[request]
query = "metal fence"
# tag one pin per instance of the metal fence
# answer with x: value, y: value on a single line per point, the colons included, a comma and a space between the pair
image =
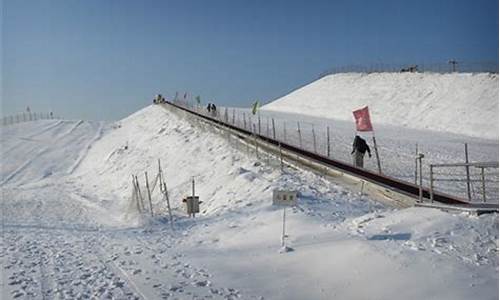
x: 330, y: 140
x: 451, y: 66
x: 26, y: 117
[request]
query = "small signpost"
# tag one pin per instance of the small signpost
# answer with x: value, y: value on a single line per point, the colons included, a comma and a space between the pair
x: 284, y: 198
x: 192, y: 203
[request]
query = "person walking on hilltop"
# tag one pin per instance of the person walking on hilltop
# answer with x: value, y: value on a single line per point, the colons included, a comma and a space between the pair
x: 359, y: 148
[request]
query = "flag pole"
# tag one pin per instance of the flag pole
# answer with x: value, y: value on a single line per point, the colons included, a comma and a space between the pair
x: 376, y: 152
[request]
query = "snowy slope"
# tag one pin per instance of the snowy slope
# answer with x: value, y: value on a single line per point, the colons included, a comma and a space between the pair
x: 74, y: 233
x: 460, y: 103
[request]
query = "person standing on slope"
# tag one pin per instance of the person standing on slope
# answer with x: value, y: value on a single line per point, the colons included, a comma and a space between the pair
x: 359, y: 147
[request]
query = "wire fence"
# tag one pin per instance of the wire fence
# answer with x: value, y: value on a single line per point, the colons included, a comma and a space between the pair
x: 27, y: 117
x: 334, y: 140
x: 451, y: 66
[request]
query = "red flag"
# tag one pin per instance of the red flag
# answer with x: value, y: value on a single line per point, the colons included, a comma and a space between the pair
x: 362, y: 117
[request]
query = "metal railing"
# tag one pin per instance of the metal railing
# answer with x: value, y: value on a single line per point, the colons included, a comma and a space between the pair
x: 488, y: 188
x: 26, y: 117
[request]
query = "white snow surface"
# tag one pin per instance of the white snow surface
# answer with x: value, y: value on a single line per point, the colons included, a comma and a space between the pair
x: 460, y: 103
x: 70, y: 229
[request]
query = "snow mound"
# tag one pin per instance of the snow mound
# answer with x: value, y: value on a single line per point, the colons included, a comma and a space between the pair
x: 460, y: 103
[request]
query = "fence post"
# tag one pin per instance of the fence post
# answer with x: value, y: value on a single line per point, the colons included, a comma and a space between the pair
x: 149, y: 193
x: 139, y: 191
x: 233, y: 115
x: 300, y: 135
x: 484, y: 185
x: 328, y: 141
x: 314, y: 140
x: 420, y: 192
x: 244, y: 121
x: 255, y: 141
x: 258, y: 116
x: 431, y: 184
x: 274, y: 129
x: 467, y: 172
x: 281, y: 157
x: 284, y: 131
x: 416, y: 165
x: 134, y: 194
x: 267, y: 125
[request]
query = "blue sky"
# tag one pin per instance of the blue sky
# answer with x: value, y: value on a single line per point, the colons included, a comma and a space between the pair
x: 104, y: 59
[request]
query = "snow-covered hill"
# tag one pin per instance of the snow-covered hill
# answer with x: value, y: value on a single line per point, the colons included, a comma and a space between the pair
x: 69, y: 229
x: 460, y: 103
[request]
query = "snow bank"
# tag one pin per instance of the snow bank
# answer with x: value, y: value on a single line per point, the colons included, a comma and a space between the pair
x: 460, y: 103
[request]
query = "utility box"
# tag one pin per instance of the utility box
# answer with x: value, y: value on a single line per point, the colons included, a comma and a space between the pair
x: 284, y: 198
x: 192, y: 204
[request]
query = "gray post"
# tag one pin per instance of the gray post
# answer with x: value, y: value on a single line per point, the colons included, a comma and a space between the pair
x: 416, y: 167
x: 467, y: 172
x: 134, y: 194
x: 284, y: 131
x: 267, y: 125
x: 420, y: 191
x: 484, y: 185
x: 328, y: 141
x: 376, y: 154
x: 255, y: 141
x: 300, y: 135
x: 149, y: 193
x: 244, y: 121
x: 431, y: 187
x: 274, y: 129
x: 281, y: 157
x: 258, y: 116
x: 314, y: 140
x: 168, y: 205
x: 140, y: 193
x: 194, y: 215
x: 283, y: 232
x: 233, y: 115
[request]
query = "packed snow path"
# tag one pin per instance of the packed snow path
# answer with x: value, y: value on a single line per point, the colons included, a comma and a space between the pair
x: 69, y: 229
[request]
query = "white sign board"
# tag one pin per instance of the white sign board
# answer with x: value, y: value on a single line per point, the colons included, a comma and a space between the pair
x: 284, y: 198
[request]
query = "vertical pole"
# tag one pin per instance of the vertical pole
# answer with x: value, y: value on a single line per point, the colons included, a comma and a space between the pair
x: 281, y: 157
x: 274, y: 130
x: 226, y: 117
x: 284, y: 131
x: 258, y: 116
x: 328, y: 141
x: 267, y: 122
x: 139, y: 191
x: 300, y: 135
x: 255, y: 141
x: 376, y: 153
x: 193, y: 198
x: 314, y: 140
x: 416, y: 167
x: 283, y: 231
x: 168, y: 205
x: 149, y: 193
x: 431, y: 188
x: 233, y: 115
x: 134, y: 194
x: 484, y: 185
x: 244, y: 121
x: 467, y: 172
x: 420, y: 192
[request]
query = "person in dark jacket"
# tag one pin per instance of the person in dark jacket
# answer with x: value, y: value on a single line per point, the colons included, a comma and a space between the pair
x: 359, y: 148
x: 209, y: 107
